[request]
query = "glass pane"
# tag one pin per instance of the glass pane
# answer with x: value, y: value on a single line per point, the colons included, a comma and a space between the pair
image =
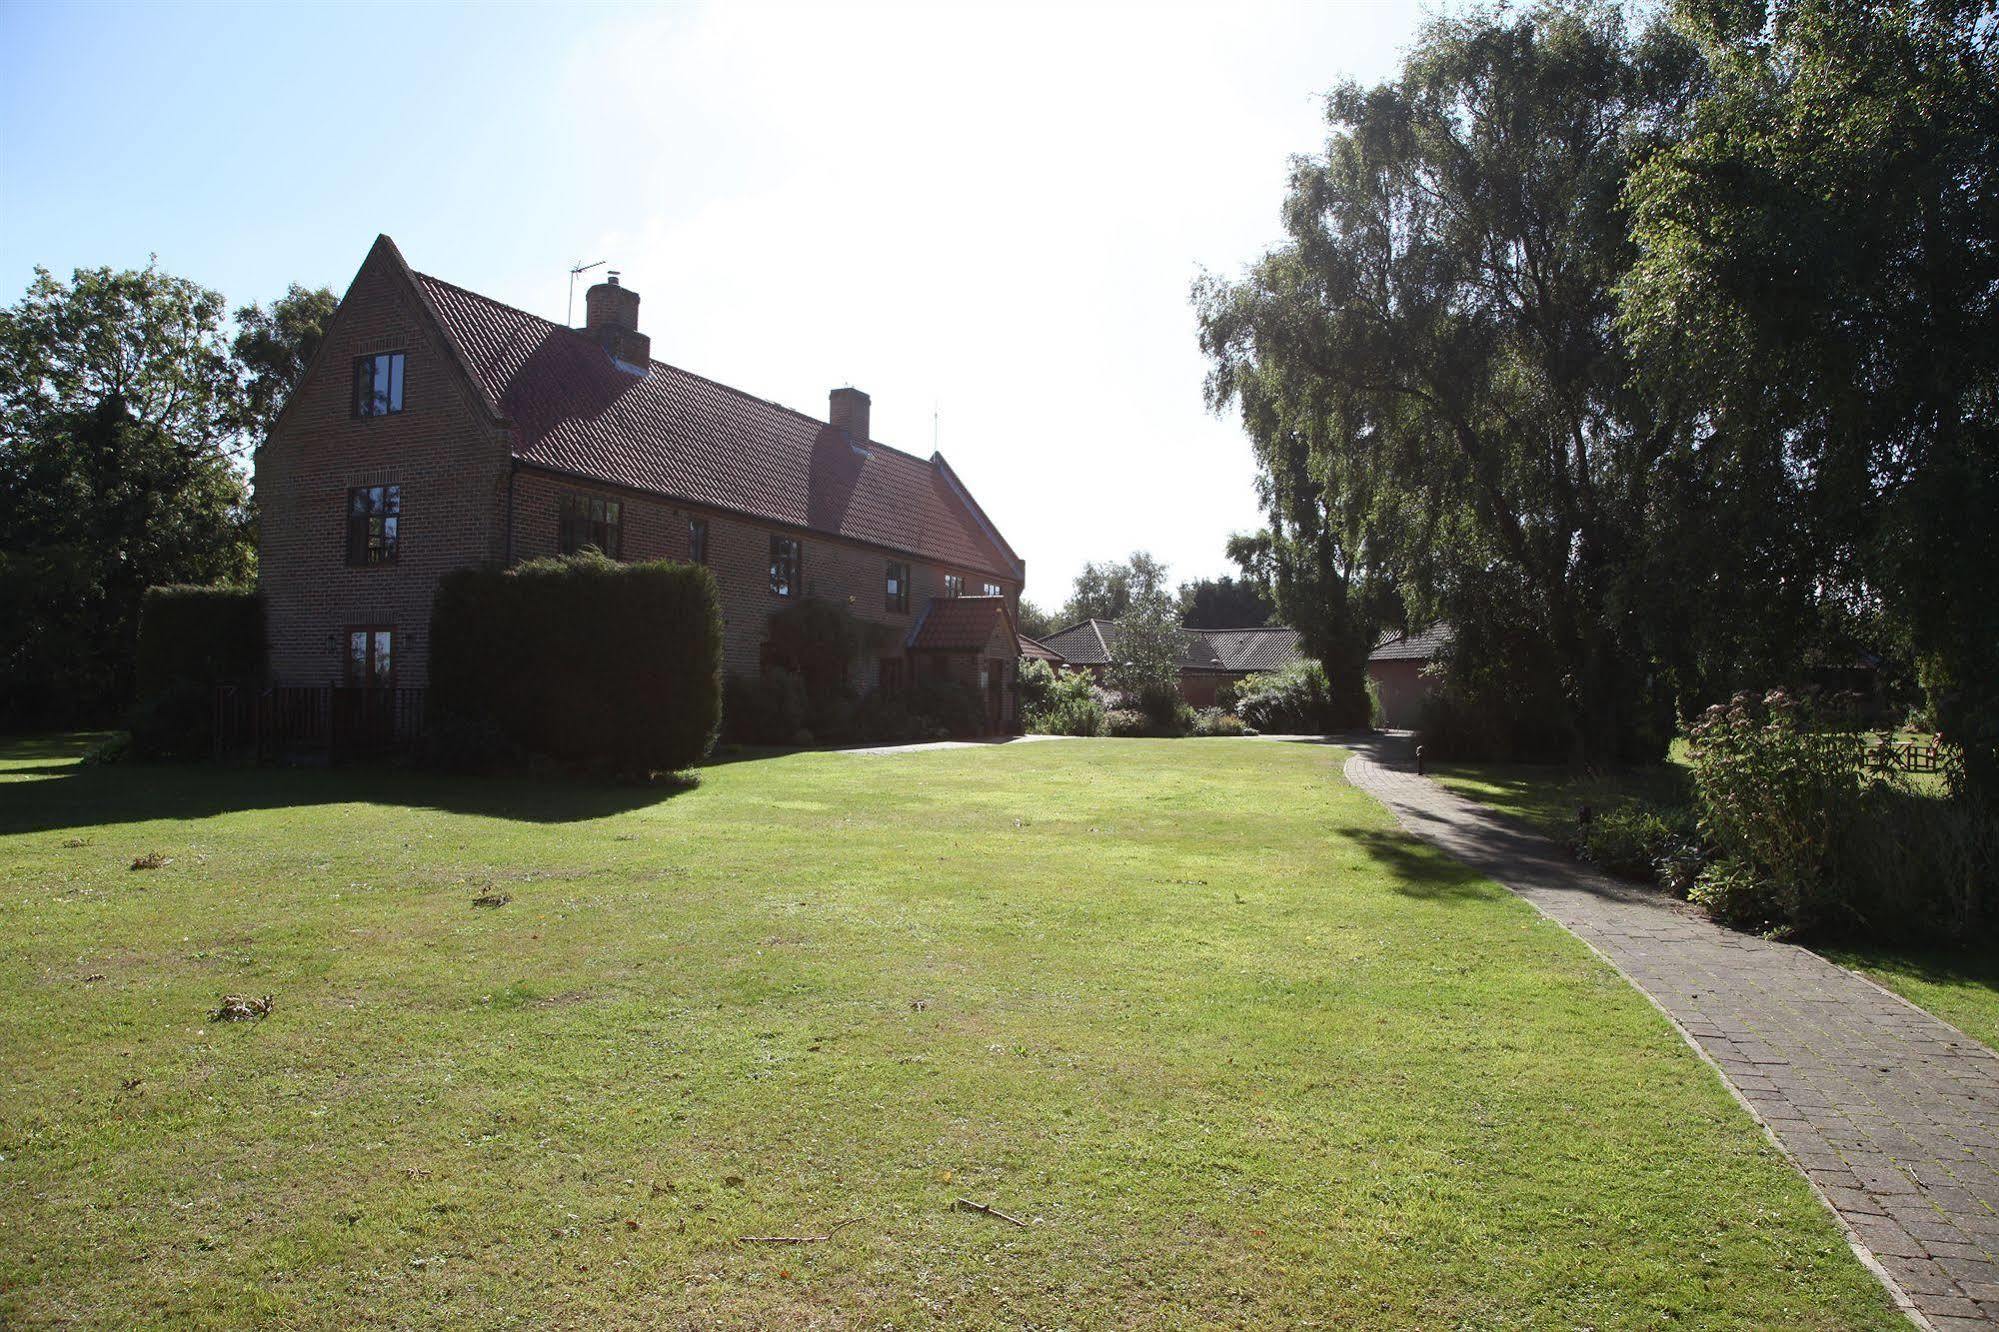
x: 382, y: 656
x: 389, y: 538
x: 392, y: 499
x: 357, y: 656
x: 396, y: 382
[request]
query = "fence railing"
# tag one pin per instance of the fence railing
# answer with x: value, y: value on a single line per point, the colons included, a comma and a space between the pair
x: 339, y: 721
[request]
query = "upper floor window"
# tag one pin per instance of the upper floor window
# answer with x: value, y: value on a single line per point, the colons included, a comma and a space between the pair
x: 372, y: 516
x: 697, y: 540
x: 591, y: 520
x: 992, y: 590
x: 378, y: 384
x: 954, y: 585
x: 895, y: 588
x: 784, y: 566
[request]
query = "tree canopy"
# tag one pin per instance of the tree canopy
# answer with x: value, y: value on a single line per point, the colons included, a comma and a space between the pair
x: 1224, y: 603
x: 273, y: 346
x: 1107, y: 591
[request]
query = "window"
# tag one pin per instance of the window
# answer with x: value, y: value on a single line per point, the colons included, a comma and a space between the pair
x: 371, y: 661
x: 590, y: 520
x: 697, y: 540
x: 378, y: 384
x: 890, y: 675
x: 992, y: 590
x: 373, y: 513
x: 895, y: 588
x: 954, y: 585
x: 784, y: 562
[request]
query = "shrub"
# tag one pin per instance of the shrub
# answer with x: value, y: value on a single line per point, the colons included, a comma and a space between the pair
x: 1214, y: 721
x: 1064, y: 703
x: 1632, y: 838
x: 1776, y: 782
x: 191, y: 639
x: 1126, y: 723
x: 583, y: 659
x: 767, y: 709
x: 466, y: 745
x: 1377, y: 711
x: 1295, y: 700
x: 1919, y: 868
x: 947, y: 709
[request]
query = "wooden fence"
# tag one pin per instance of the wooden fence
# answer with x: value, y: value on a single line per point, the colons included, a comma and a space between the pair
x: 337, y: 721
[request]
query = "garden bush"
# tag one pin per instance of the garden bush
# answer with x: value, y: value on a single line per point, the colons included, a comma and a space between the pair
x: 1632, y: 839
x: 766, y: 709
x: 1059, y: 703
x: 1215, y: 722
x: 191, y: 639
x: 1127, y: 723
x: 1296, y: 700
x: 583, y: 659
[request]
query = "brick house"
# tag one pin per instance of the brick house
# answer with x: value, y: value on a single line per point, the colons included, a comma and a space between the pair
x: 437, y: 429
x: 1209, y: 658
x: 1400, y: 669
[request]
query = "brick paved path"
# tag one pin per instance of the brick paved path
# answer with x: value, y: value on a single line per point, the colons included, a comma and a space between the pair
x: 1892, y: 1114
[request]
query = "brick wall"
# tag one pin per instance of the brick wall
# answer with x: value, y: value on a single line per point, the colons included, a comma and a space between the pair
x: 450, y: 462
x: 833, y: 569
x: 1403, y: 688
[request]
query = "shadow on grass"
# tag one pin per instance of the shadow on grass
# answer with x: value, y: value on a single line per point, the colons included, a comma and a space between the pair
x: 1418, y: 869
x: 74, y: 795
x: 1960, y: 967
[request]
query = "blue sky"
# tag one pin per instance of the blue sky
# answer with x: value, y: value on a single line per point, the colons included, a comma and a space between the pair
x: 991, y: 214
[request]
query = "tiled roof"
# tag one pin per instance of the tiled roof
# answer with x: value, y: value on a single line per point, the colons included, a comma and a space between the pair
x: 1270, y: 648
x: 1423, y: 646
x: 1232, y: 651
x: 676, y: 434
x: 1030, y: 647
x: 959, y: 624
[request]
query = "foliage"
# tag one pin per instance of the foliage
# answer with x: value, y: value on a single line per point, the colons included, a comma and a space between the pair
x: 1059, y: 702
x: 1633, y: 840
x: 1920, y: 869
x: 946, y: 709
x: 608, y: 664
x: 1147, y: 648
x: 1377, y: 711
x: 1442, y: 405
x: 117, y: 411
x: 1215, y: 722
x: 1034, y: 621
x: 191, y: 639
x: 468, y: 745
x: 1224, y: 603
x: 1297, y: 700
x: 1127, y: 723
x: 1109, y: 590
x: 1819, y: 257
x: 1777, y: 780
x: 273, y: 346
x: 765, y: 709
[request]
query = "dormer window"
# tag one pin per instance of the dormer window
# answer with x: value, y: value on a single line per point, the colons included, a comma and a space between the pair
x: 378, y: 384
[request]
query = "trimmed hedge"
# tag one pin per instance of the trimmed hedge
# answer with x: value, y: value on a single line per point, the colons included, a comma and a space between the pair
x: 583, y: 659
x: 191, y: 639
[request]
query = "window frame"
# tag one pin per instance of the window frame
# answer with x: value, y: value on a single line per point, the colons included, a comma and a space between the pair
x: 895, y: 587
x: 787, y: 566
x: 362, y: 537
x: 374, y: 633
x: 954, y: 585
x: 697, y: 540
x: 992, y: 590
x: 602, y: 520
x: 398, y: 384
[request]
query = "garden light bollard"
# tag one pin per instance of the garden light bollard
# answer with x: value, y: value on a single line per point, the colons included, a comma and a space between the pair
x: 1419, y: 760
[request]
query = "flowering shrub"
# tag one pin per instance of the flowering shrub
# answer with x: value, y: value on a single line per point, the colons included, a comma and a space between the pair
x: 1295, y: 700
x: 1213, y: 721
x: 1059, y: 702
x: 1779, y: 785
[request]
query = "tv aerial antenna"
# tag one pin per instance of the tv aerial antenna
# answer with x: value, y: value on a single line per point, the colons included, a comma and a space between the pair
x: 574, y: 272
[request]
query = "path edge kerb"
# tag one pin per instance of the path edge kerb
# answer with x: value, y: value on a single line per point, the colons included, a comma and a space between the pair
x: 1358, y: 759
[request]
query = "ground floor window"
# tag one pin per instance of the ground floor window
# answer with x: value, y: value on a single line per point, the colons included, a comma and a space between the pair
x: 371, y: 658
x: 591, y: 520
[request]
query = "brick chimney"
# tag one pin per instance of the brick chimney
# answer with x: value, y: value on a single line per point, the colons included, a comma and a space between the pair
x: 611, y: 315
x: 848, y: 409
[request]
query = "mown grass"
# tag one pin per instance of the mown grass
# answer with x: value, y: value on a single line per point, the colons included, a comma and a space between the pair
x: 1240, y: 1052
x: 1960, y: 985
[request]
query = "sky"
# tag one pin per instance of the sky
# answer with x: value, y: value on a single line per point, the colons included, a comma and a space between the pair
x: 988, y: 217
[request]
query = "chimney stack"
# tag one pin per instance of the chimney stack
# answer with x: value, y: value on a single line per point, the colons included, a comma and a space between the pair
x: 848, y: 410
x: 611, y: 315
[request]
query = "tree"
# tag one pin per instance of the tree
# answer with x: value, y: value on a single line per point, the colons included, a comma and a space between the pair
x: 1034, y: 621
x: 1820, y: 255
x: 1106, y: 591
x: 1146, y: 651
x: 274, y: 344
x: 1429, y: 369
x: 117, y: 406
x: 1223, y: 603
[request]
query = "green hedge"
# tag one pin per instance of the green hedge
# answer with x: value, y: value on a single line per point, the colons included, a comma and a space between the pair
x: 583, y: 659
x: 190, y: 640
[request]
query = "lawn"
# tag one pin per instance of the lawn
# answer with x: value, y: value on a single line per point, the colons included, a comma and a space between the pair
x: 1961, y: 986
x: 1236, y: 1050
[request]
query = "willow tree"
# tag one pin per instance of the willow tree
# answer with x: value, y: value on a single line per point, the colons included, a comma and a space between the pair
x: 1819, y: 254
x: 1432, y: 374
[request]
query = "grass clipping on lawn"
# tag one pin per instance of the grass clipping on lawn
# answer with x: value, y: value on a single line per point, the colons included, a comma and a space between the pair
x: 1237, y: 1050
